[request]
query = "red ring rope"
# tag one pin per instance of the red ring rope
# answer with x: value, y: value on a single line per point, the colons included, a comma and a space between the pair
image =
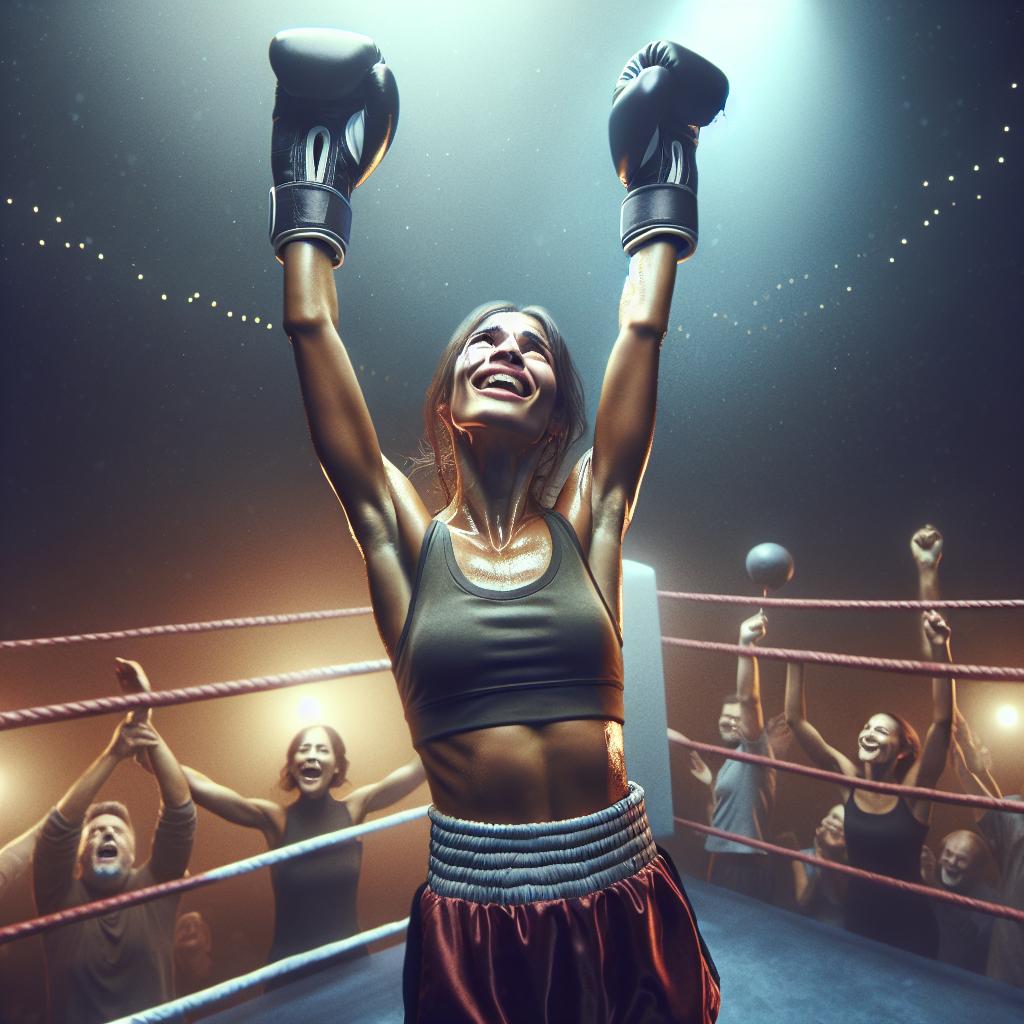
x: 164, y: 698
x: 852, y: 605
x: 996, y: 909
x: 187, y: 627
x: 903, y: 666
x: 921, y: 792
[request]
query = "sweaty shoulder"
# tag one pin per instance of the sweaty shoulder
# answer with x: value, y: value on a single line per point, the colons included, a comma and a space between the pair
x: 573, y: 500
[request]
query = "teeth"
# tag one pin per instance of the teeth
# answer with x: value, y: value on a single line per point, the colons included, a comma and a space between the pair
x: 498, y: 378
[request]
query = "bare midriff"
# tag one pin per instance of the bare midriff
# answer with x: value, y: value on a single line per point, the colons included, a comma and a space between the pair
x: 514, y: 774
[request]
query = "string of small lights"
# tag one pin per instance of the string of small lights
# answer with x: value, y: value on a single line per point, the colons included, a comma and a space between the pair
x: 50, y: 225
x: 942, y: 194
x: 938, y: 196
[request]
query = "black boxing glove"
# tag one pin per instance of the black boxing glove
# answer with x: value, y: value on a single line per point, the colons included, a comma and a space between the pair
x: 664, y: 95
x: 335, y: 115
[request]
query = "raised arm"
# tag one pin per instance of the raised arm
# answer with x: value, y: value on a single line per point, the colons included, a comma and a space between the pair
x: 250, y: 812
x: 969, y: 781
x: 335, y: 115
x: 926, y: 771
x: 814, y: 746
x: 926, y: 547
x: 128, y: 738
x: 16, y: 856
x: 973, y: 752
x: 663, y: 96
x: 387, y: 791
x: 748, y: 683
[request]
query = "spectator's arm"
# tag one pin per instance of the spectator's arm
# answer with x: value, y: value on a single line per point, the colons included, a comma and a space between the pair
x: 387, y: 791
x: 16, y: 856
x: 748, y: 683
x: 935, y: 750
x: 811, y: 741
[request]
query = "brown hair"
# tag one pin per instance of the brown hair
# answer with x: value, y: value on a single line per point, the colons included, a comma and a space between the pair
x: 287, y: 781
x: 114, y: 807
x: 568, y: 417
x: 911, y: 743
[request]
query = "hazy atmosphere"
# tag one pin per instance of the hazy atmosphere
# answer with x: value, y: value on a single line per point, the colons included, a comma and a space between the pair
x: 843, y: 365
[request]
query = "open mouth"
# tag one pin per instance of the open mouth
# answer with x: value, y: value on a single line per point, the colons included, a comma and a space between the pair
x: 868, y: 749
x: 501, y: 382
x: 106, y: 853
x: 311, y: 772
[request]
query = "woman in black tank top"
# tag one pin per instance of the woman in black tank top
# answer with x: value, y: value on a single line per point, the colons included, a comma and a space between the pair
x: 314, y: 896
x: 884, y: 833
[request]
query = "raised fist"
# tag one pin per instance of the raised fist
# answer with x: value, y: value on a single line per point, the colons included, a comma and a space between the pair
x: 754, y: 629
x: 926, y: 547
x: 936, y: 630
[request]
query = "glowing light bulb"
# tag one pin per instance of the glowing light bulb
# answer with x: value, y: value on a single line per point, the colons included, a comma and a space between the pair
x: 1008, y: 716
x: 163, y: 296
x: 951, y: 178
x: 213, y: 304
x: 924, y: 183
x: 903, y: 241
x: 140, y: 277
x: 57, y: 219
x: 976, y: 167
x: 1001, y: 160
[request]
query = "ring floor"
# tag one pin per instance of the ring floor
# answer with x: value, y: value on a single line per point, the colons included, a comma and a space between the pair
x: 776, y: 968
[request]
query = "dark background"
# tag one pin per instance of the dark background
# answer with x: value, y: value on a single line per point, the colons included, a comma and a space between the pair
x: 155, y: 465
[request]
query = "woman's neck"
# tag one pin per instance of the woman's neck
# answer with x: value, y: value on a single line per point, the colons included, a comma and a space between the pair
x: 492, y: 500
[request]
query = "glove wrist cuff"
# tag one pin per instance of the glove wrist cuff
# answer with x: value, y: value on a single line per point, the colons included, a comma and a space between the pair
x: 660, y: 211
x: 308, y: 209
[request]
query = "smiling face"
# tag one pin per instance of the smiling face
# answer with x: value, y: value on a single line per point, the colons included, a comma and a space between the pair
x: 313, y: 764
x: 106, y: 852
x: 880, y: 741
x: 504, y: 378
x: 831, y: 833
x: 729, y: 724
x: 960, y: 860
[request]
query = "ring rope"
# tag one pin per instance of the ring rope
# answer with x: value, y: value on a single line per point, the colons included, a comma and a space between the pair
x: 967, y: 902
x: 187, y: 627
x: 851, y: 605
x: 920, y: 792
x: 16, y: 719
x: 174, y: 1010
x: 903, y: 666
x: 22, y: 929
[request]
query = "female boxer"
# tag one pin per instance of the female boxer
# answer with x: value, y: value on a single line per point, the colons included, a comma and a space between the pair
x: 546, y: 897
x: 314, y: 896
x: 885, y: 833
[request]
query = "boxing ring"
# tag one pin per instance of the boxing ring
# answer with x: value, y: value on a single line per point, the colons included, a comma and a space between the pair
x: 776, y: 966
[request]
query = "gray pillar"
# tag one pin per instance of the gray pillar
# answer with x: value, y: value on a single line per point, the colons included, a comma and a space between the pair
x: 646, y: 722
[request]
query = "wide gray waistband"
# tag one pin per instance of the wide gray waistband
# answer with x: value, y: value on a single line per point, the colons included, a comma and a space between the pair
x: 548, y: 860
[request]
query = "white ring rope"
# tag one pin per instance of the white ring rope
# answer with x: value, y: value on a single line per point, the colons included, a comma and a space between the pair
x: 176, y: 1009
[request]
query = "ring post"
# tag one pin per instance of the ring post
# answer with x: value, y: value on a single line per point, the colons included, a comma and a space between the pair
x: 646, y: 721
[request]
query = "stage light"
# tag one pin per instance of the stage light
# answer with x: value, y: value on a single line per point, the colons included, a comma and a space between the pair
x: 1008, y: 716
